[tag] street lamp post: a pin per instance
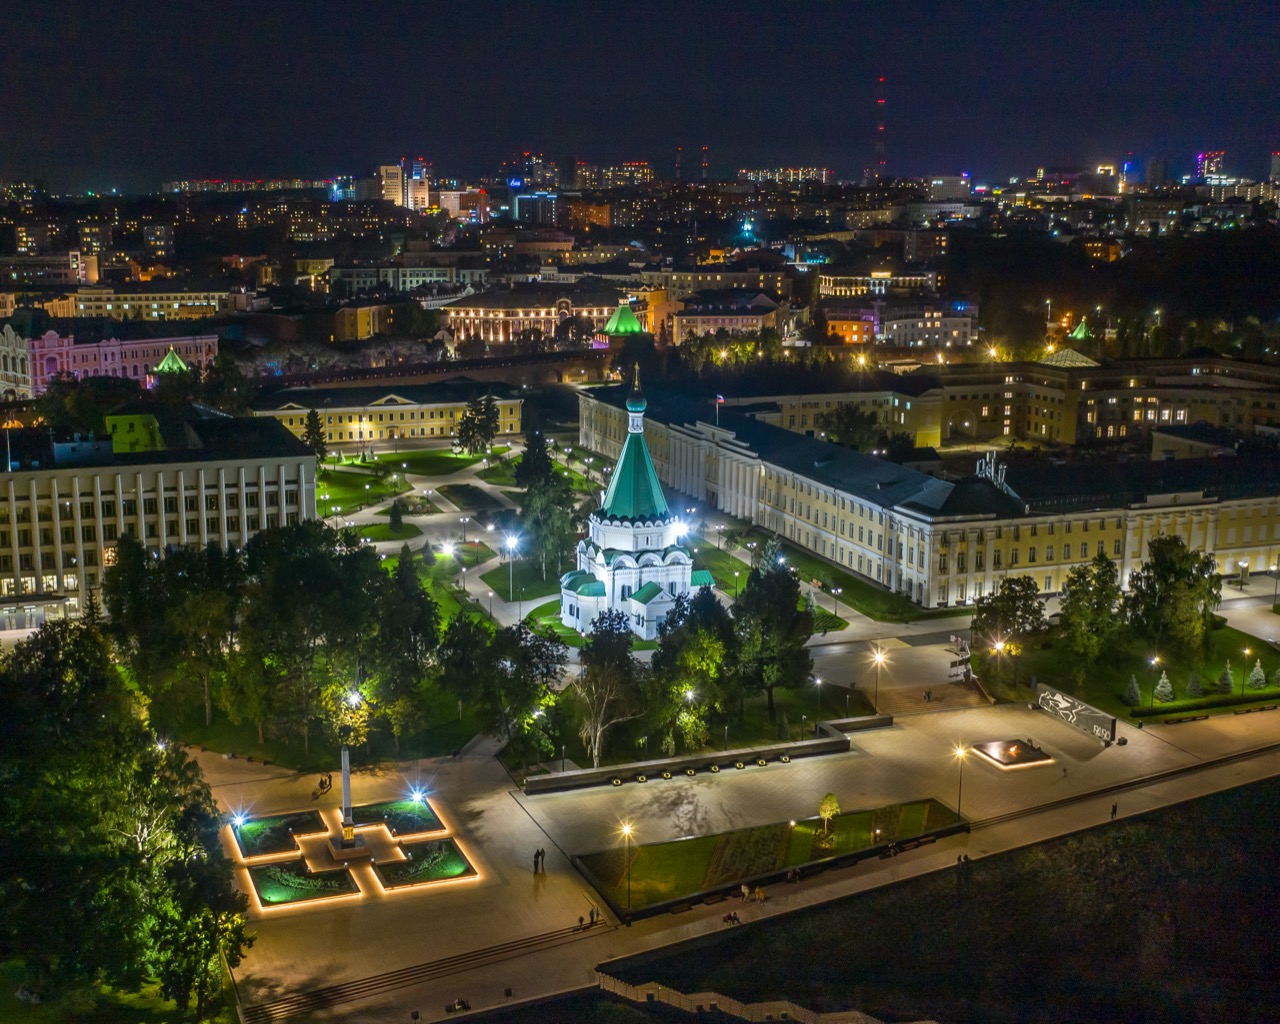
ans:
(726, 736)
(878, 658)
(1242, 668)
(803, 719)
(626, 835)
(1155, 667)
(719, 533)
(465, 520)
(735, 583)
(511, 570)
(835, 604)
(817, 682)
(961, 752)
(491, 606)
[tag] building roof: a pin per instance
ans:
(444, 392)
(634, 490)
(171, 363)
(583, 584)
(623, 322)
(648, 592)
(702, 578)
(1068, 358)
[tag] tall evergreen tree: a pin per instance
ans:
(535, 464)
(314, 438)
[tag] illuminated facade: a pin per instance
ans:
(52, 354)
(499, 317)
(150, 303)
(359, 415)
(942, 542)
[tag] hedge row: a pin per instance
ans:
(1205, 703)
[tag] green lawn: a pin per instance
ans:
(432, 861)
(403, 817)
(859, 594)
(682, 868)
(468, 497)
(546, 619)
(721, 564)
(528, 582)
(350, 490)
(433, 461)
(501, 473)
(385, 531)
(96, 1005)
(1049, 661)
(259, 837)
(290, 882)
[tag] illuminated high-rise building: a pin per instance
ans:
(1275, 167)
(1209, 163)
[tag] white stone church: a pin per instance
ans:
(631, 559)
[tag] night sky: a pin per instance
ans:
(102, 95)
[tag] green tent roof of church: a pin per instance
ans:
(634, 491)
(171, 363)
(623, 321)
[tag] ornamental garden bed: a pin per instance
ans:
(684, 869)
(468, 496)
(402, 817)
(436, 861)
(261, 837)
(292, 882)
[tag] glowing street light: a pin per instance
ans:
(960, 753)
(512, 542)
(626, 836)
(878, 658)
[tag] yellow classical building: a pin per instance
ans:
(390, 412)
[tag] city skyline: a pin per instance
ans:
(313, 91)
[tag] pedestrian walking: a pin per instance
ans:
(593, 917)
(1114, 808)
(581, 922)
(759, 893)
(1064, 771)
(535, 862)
(746, 892)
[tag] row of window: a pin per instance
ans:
(150, 506)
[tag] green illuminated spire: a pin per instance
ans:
(634, 492)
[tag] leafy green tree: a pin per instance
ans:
(1172, 597)
(314, 438)
(1257, 678)
(1164, 689)
(691, 671)
(548, 521)
(1132, 696)
(1225, 684)
(1090, 599)
(535, 464)
(608, 689)
(772, 627)
(828, 808)
(849, 425)
(1013, 609)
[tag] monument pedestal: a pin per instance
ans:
(353, 848)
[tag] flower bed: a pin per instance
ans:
(291, 882)
(402, 817)
(260, 837)
(434, 861)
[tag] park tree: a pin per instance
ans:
(1090, 599)
(1195, 685)
(828, 808)
(1275, 678)
(608, 689)
(535, 464)
(692, 670)
(111, 818)
(395, 516)
(1225, 685)
(548, 521)
(1132, 696)
(1164, 689)
(850, 425)
(1014, 609)
(1173, 595)
(772, 627)
(314, 438)
(1257, 678)
(478, 424)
